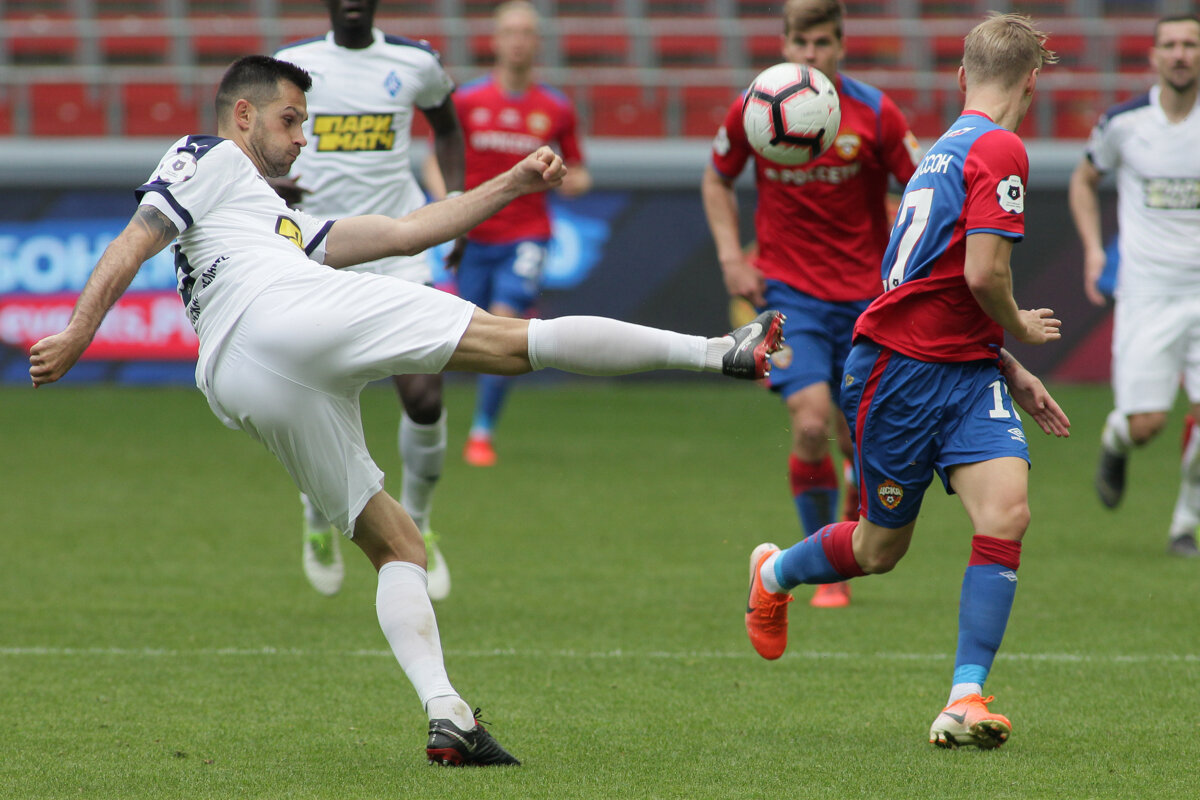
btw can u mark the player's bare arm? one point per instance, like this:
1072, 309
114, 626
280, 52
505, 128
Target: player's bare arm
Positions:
720, 208
1083, 197
989, 278
1028, 392
354, 240
447, 146
146, 234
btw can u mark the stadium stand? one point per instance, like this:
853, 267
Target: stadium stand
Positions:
637, 68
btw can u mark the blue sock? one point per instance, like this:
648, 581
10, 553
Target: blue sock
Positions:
491, 392
805, 562
983, 611
815, 508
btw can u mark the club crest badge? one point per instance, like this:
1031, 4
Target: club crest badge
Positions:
890, 494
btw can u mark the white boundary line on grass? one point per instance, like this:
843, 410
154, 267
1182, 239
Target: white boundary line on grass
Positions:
592, 655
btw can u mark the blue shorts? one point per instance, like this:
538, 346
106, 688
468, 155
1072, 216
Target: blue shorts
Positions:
508, 274
910, 418
817, 338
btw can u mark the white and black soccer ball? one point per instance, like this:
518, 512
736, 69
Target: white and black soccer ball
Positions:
791, 113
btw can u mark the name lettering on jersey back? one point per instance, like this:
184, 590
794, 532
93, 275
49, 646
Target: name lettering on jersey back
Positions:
505, 142
350, 133
1172, 194
935, 162
822, 174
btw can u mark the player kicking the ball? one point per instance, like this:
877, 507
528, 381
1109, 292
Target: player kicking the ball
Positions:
287, 343
928, 387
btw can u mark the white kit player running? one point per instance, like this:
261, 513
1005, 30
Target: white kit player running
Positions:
287, 343
1152, 142
367, 87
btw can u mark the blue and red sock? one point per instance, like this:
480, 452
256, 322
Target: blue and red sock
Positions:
815, 491
825, 557
988, 588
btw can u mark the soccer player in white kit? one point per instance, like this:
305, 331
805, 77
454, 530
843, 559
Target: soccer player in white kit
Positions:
1153, 144
287, 343
367, 87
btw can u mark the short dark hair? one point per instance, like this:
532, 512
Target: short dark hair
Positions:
256, 78
800, 15
1174, 18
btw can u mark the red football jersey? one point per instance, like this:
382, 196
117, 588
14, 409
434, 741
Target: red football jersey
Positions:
971, 181
822, 227
501, 129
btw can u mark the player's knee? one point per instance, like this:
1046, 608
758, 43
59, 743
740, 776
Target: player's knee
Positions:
1007, 522
1144, 427
424, 409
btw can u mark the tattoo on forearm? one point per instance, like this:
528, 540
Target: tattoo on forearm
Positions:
157, 224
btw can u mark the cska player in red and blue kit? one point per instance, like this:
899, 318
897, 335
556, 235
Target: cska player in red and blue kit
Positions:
821, 229
506, 116
928, 387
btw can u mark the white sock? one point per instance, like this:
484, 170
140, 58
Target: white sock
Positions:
453, 708
1115, 437
601, 346
1187, 506
312, 518
423, 451
410, 627
960, 690
767, 573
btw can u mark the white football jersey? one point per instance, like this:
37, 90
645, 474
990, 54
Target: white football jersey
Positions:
236, 235
359, 127
1157, 167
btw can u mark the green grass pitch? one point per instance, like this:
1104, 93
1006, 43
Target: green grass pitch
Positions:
158, 639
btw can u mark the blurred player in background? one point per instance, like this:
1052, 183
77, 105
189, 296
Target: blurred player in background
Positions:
928, 387
1153, 143
288, 339
821, 232
505, 116
366, 86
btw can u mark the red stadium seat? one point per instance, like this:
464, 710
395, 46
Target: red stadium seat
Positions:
1076, 112
764, 51
703, 109
41, 39
159, 109
923, 110
627, 111
133, 39
873, 52
584, 50
67, 109
6, 112
682, 50
1133, 51
218, 41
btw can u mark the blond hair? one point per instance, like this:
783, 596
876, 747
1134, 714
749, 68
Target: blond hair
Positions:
1004, 49
800, 15
516, 5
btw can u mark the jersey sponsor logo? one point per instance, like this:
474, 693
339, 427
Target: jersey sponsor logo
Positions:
505, 142
538, 123
1172, 194
890, 494
847, 146
352, 133
1011, 194
176, 167
821, 174
720, 143
480, 116
935, 162
509, 118
289, 230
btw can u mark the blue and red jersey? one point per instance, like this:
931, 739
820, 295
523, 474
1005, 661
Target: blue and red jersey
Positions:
499, 130
822, 226
971, 181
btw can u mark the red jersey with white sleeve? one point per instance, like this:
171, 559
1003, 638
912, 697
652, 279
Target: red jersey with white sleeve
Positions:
500, 129
822, 226
971, 181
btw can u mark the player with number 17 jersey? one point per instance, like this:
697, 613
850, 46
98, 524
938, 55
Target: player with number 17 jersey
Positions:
971, 181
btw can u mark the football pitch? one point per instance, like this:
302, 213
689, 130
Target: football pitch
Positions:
158, 639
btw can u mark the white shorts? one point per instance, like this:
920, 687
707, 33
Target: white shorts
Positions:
411, 268
291, 371
1156, 345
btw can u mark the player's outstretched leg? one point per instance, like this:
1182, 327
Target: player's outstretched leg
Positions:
320, 554
967, 721
451, 746
753, 344
766, 611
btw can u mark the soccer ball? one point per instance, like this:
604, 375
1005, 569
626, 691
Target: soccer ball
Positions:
791, 114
